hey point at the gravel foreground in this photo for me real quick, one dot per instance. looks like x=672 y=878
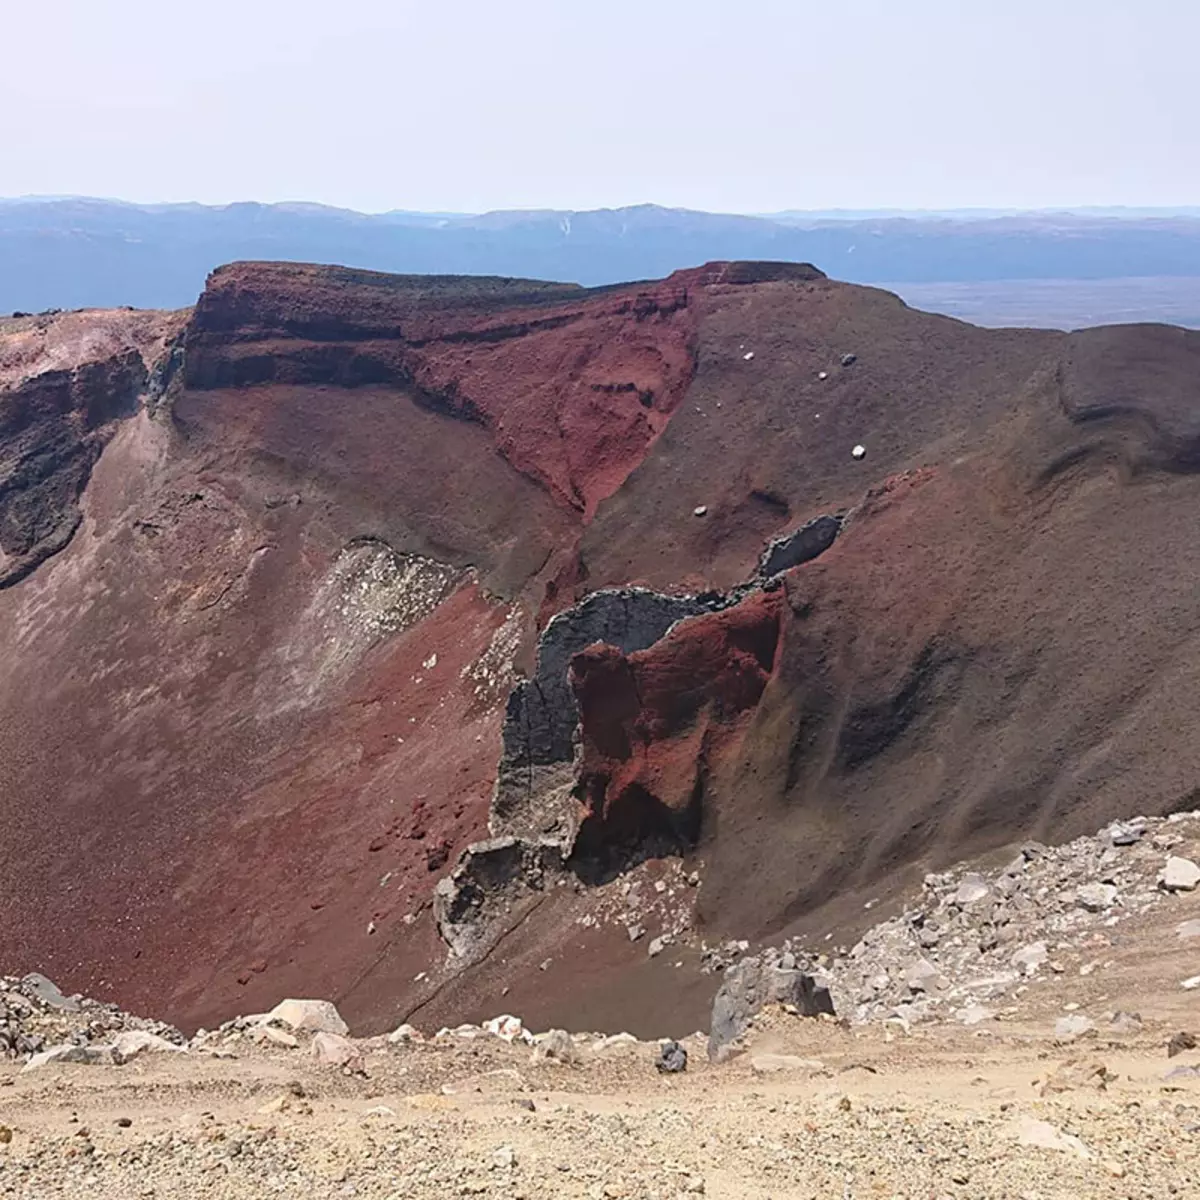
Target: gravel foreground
x=1075 y=1073
x=943 y=1113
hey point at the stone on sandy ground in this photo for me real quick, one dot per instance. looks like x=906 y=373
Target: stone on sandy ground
x=268 y=1035
x=753 y=983
x=672 y=1058
x=405 y=1035
x=1188 y=929
x=1181 y=1042
x=1072 y=1026
x=508 y=1028
x=333 y=1050
x=554 y=1046
x=128 y=1045
x=89 y=1055
x=1179 y=875
x=1074 y=1075
x=309 y=1016
x=1031 y=1131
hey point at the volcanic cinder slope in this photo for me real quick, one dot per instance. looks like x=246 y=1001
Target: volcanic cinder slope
x=273 y=575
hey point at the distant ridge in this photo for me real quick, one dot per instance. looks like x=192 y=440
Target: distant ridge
x=74 y=252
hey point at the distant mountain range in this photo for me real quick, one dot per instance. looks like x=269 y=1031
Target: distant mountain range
x=76 y=252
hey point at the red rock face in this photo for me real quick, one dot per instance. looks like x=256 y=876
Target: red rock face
x=654 y=722
x=254 y=686
x=573 y=388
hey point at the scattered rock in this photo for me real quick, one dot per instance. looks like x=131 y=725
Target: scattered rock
x=848 y=360
x=1096 y=897
x=1041 y=1134
x=333 y=1050
x=555 y=1046
x=859 y=452
x=88 y=1055
x=1126 y=1022
x=268 y=1034
x=1072 y=1026
x=509 y=1029
x=1074 y=1075
x=1188 y=929
x=129 y=1044
x=1179 y=875
x=700 y=510
x=658 y=945
x=47 y=993
x=309 y=1016
x=973 y=889
x=672 y=1059
x=752 y=983
x=1180 y=1042
x=975 y=1014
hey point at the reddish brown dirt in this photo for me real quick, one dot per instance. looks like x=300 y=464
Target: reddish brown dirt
x=220 y=774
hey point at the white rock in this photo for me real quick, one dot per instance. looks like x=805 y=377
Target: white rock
x=699 y=510
x=309 y=1016
x=508 y=1028
x=658 y=945
x=333 y=1050
x=1096 y=897
x=128 y=1045
x=1072 y=1026
x=1044 y=1136
x=265 y=1034
x=923 y=976
x=90 y=1055
x=859 y=452
x=554 y=1046
x=1188 y=929
x=972 y=889
x=748 y=355
x=1029 y=958
x=974 y=1014
x=403 y=1035
x=504 y=1158
x=1179 y=875
x=1190 y=985
x=613 y=1041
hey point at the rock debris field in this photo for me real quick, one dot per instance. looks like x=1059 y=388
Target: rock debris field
x=1026 y=1030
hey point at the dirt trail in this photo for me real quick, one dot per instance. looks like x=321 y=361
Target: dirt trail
x=811 y=1109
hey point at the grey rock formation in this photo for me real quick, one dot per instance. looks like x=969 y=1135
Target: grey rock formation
x=800 y=546
x=491 y=879
x=753 y=983
x=672 y=1059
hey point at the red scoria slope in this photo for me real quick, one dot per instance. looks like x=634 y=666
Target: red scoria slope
x=262 y=625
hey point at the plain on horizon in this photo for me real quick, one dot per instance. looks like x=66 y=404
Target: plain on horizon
x=469 y=106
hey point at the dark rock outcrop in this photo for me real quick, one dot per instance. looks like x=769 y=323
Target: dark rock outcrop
x=750 y=985
x=52 y=428
x=536 y=776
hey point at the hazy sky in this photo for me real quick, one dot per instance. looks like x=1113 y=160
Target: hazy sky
x=736 y=105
